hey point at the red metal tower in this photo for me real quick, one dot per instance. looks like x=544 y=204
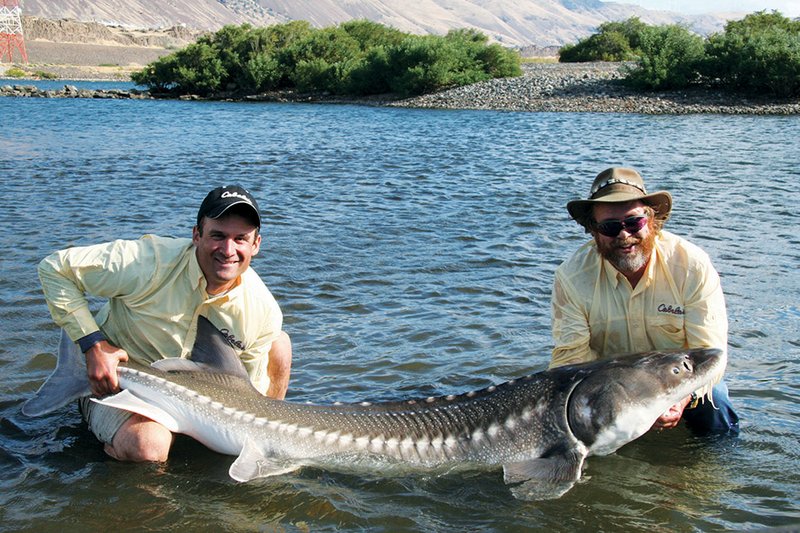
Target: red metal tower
x=11 y=30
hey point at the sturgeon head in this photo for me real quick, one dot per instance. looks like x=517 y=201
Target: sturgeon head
x=607 y=404
x=619 y=400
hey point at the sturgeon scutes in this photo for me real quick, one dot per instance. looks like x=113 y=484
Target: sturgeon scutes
x=512 y=424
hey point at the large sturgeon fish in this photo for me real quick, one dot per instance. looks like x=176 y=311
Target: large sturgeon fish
x=539 y=428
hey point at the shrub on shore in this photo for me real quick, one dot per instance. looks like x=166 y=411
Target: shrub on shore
x=614 y=41
x=669 y=57
x=355 y=58
x=758 y=54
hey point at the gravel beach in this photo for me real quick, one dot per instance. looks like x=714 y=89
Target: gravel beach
x=591 y=87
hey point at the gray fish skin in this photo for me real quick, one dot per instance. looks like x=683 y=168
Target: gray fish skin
x=540 y=428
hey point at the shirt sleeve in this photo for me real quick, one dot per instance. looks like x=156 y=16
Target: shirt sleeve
x=570 y=325
x=706 y=319
x=256 y=357
x=104 y=270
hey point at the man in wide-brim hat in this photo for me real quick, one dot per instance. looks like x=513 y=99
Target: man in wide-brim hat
x=635 y=287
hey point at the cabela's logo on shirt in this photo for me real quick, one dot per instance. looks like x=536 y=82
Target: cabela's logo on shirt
x=232 y=339
x=677 y=310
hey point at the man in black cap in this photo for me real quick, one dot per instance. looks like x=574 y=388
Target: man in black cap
x=635 y=287
x=156 y=289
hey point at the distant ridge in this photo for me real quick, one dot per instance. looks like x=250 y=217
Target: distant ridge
x=515 y=23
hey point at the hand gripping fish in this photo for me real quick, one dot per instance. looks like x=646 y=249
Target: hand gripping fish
x=539 y=428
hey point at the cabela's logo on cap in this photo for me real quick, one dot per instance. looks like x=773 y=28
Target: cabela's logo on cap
x=234 y=194
x=221 y=199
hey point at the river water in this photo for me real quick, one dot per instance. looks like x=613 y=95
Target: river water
x=412 y=253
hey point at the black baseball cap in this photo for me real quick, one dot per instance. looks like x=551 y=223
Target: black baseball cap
x=218 y=201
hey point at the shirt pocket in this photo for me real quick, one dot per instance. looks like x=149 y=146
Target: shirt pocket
x=667 y=331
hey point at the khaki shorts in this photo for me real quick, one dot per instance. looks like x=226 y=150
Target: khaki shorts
x=103 y=421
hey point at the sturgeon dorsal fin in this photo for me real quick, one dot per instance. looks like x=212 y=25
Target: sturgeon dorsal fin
x=213 y=353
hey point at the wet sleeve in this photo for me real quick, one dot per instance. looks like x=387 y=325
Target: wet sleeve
x=256 y=357
x=570 y=325
x=105 y=270
x=706 y=318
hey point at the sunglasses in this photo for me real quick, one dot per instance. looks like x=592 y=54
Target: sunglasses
x=611 y=228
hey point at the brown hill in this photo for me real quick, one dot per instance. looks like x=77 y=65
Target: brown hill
x=110 y=38
x=514 y=23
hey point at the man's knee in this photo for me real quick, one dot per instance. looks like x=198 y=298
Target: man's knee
x=140 y=440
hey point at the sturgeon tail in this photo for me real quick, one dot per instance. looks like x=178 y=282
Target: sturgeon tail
x=66 y=384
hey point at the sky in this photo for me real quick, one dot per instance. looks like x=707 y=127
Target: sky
x=789 y=8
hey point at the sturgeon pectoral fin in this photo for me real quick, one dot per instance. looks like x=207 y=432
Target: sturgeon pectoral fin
x=252 y=463
x=129 y=402
x=545 y=477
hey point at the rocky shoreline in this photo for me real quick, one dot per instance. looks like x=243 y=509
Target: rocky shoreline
x=592 y=87
x=543 y=87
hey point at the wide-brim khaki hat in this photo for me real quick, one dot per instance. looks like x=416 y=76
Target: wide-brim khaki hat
x=617 y=185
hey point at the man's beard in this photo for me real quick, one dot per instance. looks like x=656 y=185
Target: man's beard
x=628 y=263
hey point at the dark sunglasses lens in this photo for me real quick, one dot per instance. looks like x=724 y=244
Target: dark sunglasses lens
x=610 y=229
x=613 y=227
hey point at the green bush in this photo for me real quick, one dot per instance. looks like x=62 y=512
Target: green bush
x=422 y=64
x=357 y=57
x=159 y=75
x=759 y=54
x=15 y=72
x=199 y=70
x=260 y=73
x=669 y=58
x=614 y=41
x=631 y=29
x=44 y=75
x=371 y=74
x=609 y=46
x=370 y=34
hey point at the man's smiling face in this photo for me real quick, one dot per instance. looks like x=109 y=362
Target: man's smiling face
x=225 y=247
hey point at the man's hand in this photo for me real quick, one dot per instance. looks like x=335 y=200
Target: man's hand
x=672 y=416
x=101 y=367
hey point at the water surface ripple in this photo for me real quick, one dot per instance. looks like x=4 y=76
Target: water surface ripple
x=412 y=253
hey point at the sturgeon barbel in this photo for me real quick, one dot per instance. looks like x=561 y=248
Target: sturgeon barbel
x=539 y=428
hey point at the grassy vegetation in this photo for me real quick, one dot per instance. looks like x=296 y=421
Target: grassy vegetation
x=758 y=54
x=355 y=58
x=538 y=60
x=18 y=73
x=44 y=75
x=15 y=72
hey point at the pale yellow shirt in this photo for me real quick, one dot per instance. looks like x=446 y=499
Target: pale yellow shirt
x=155 y=291
x=678 y=303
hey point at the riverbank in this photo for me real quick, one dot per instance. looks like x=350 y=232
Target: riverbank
x=543 y=87
x=592 y=87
